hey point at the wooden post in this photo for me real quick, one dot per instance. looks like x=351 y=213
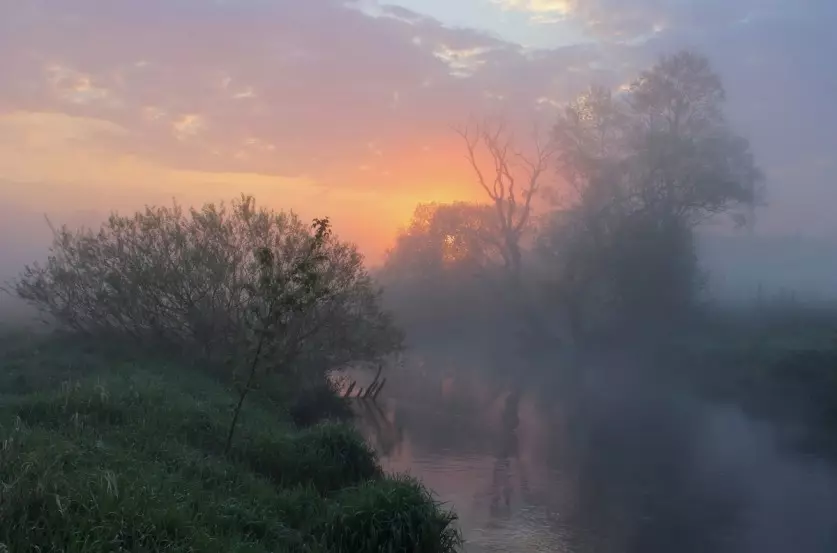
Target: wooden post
x=378 y=389
x=374 y=383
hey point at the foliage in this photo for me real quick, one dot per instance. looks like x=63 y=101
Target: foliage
x=645 y=168
x=399 y=515
x=663 y=147
x=318 y=402
x=443 y=266
x=97 y=456
x=646 y=273
x=213 y=283
x=327 y=457
x=445 y=238
x=282 y=298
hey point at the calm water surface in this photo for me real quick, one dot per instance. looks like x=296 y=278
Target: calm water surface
x=615 y=469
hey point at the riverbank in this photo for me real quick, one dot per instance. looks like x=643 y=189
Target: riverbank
x=101 y=455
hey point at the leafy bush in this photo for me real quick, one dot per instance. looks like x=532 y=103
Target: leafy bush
x=319 y=402
x=191 y=282
x=242 y=288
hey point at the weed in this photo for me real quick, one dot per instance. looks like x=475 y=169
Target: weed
x=392 y=515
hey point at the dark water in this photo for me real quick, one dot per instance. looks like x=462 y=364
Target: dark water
x=611 y=467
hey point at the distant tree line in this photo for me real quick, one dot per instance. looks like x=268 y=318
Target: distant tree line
x=638 y=171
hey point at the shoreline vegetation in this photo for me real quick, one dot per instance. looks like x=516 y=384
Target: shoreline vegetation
x=101 y=453
x=184 y=400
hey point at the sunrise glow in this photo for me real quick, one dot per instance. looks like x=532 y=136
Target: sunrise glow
x=326 y=108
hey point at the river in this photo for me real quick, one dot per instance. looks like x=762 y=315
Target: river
x=613 y=467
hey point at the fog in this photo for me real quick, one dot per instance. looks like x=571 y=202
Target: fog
x=606 y=228
x=744 y=266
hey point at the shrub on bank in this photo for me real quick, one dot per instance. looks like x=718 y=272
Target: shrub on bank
x=328 y=457
x=391 y=515
x=317 y=403
x=249 y=293
x=338 y=454
x=222 y=286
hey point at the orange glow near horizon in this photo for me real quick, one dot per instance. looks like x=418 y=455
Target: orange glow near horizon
x=56 y=168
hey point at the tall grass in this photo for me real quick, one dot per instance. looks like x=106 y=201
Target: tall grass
x=98 y=456
x=393 y=515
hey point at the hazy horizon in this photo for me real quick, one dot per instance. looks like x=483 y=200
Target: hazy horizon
x=344 y=108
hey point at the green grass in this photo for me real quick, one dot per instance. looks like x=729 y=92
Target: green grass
x=99 y=455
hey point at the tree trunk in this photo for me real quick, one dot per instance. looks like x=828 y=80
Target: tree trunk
x=243 y=396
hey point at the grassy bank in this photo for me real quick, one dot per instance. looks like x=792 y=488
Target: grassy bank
x=102 y=455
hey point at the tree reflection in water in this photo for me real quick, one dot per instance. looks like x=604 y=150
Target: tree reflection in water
x=616 y=468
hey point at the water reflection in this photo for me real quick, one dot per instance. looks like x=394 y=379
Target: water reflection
x=472 y=445
x=505 y=453
x=608 y=469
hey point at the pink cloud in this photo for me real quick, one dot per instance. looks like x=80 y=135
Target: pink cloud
x=288 y=87
x=303 y=87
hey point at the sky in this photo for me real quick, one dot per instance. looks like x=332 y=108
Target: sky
x=345 y=108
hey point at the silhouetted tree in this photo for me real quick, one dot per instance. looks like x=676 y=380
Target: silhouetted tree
x=645 y=167
x=510 y=179
x=193 y=282
x=444 y=272
x=284 y=289
x=458 y=237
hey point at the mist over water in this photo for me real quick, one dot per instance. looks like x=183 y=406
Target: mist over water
x=613 y=466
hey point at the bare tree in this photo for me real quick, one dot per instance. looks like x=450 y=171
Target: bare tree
x=510 y=178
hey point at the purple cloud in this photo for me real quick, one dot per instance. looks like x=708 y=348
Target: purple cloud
x=364 y=97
